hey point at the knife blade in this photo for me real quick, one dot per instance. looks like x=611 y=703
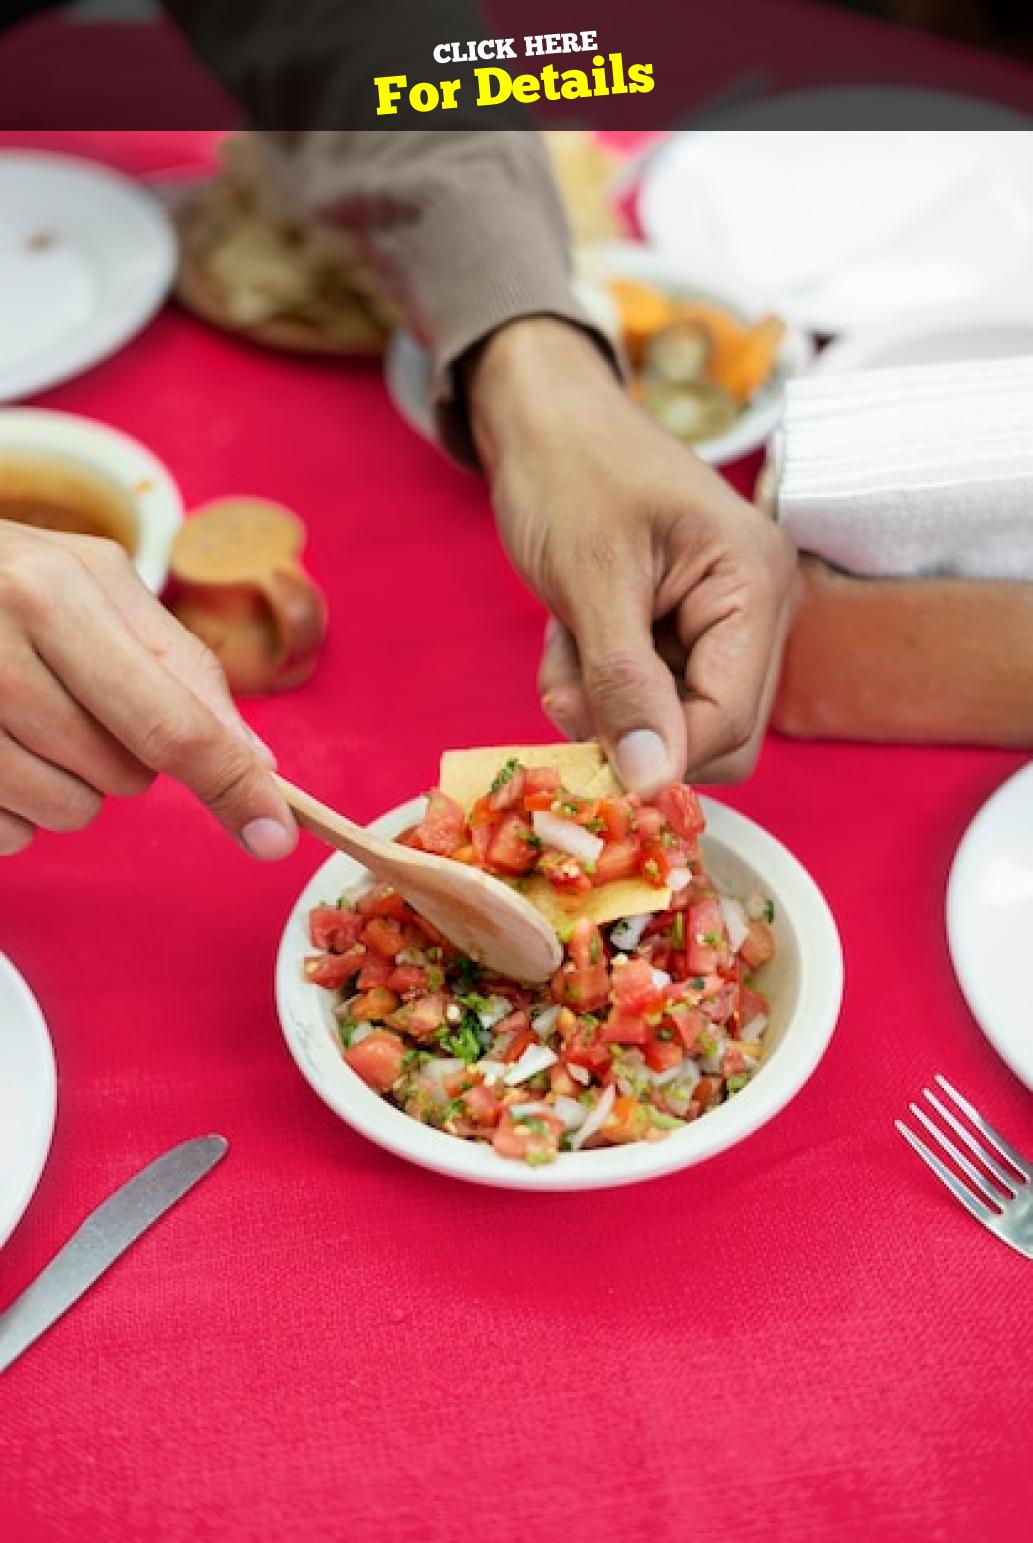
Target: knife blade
x=102 y=1238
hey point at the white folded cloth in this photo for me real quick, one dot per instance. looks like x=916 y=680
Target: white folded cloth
x=923 y=469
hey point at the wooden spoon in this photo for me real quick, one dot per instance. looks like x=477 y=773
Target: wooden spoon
x=479 y=914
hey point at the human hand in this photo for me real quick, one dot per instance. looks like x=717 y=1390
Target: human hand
x=670 y=595
x=100 y=689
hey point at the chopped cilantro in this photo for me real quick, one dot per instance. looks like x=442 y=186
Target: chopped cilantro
x=668 y=839
x=678 y=930
x=698 y=983
x=665 y=1033
x=664 y=1121
x=532 y=839
x=769 y=911
x=595 y=952
x=596 y=827
x=344 y=904
x=466 y=1039
x=738 y=1081
x=435 y=978
x=504 y=774
x=712 y=939
x=467 y=973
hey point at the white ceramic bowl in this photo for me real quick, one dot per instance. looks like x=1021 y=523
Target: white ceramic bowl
x=804 y=981
x=139 y=474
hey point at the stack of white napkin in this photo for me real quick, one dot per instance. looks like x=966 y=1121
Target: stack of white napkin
x=924 y=469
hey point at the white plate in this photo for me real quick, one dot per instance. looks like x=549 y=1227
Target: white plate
x=853 y=229
x=148 y=484
x=407 y=366
x=28 y=1096
x=805 y=983
x=86 y=258
x=990 y=920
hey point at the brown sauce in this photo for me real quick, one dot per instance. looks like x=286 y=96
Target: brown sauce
x=64 y=495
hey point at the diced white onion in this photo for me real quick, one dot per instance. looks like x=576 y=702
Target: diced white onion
x=684 y=1069
x=535 y=1059
x=735 y=921
x=756 y=907
x=661 y=979
x=712 y=1063
x=679 y=878
x=595 y=1119
x=411 y=956
x=496 y=1009
x=442 y=1067
x=546 y=1022
x=453 y=1012
x=628 y=933
x=528 y=1111
x=753 y=1031
x=359 y=1034
x=492 y=1071
x=570 y=1111
x=566 y=836
x=579 y=1073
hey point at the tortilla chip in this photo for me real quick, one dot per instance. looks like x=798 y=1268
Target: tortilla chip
x=466 y=776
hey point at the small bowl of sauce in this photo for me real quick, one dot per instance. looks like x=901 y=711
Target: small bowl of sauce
x=61 y=472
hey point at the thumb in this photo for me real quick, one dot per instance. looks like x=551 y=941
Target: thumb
x=632 y=695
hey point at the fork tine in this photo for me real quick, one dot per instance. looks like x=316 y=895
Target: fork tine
x=981 y=1212
x=1004 y=1147
x=981 y=1183
x=1009 y=1181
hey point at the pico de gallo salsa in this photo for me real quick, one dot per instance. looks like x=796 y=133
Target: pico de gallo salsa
x=649 y=1023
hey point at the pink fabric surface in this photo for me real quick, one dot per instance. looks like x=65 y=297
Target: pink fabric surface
x=804 y=1339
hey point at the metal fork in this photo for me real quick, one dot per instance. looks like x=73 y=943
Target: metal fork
x=1006 y=1209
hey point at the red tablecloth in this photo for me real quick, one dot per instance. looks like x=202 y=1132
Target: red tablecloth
x=805 y=1339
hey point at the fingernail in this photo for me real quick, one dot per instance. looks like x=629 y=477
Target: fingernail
x=267 y=839
x=642 y=761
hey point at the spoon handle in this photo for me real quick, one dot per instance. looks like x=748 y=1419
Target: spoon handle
x=333 y=828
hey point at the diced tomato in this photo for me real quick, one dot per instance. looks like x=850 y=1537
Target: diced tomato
x=372 y=1005
x=649 y=822
x=562 y=1083
x=443 y=827
x=681 y=809
x=512 y=849
x=405 y=978
x=480 y=840
x=465 y=854
x=382 y=937
x=509 y=794
x=481 y=813
x=541 y=785
x=564 y=873
x=706 y=1092
x=624 y=1028
x=430 y=931
x=758 y=946
x=523 y=1036
x=688 y=1023
x=659 y=860
x=334 y=970
x=619 y=859
x=628 y=1120
x=583 y=980
x=378 y=1059
x=382 y=900
x=331 y=927
x=482 y=1105
x=618 y=816
x=706 y=942
x=375 y=972
x=752 y=1004
x=663 y=1055
x=535 y=1139
x=582 y=1046
x=422 y=1018
x=634 y=990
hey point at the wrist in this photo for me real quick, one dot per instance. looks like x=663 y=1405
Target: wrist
x=524 y=381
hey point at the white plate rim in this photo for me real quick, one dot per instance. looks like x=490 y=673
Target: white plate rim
x=821 y=989
x=966 y=855
x=39 y=1035
x=860 y=351
x=99 y=341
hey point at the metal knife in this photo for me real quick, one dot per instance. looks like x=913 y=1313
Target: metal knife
x=103 y=1237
